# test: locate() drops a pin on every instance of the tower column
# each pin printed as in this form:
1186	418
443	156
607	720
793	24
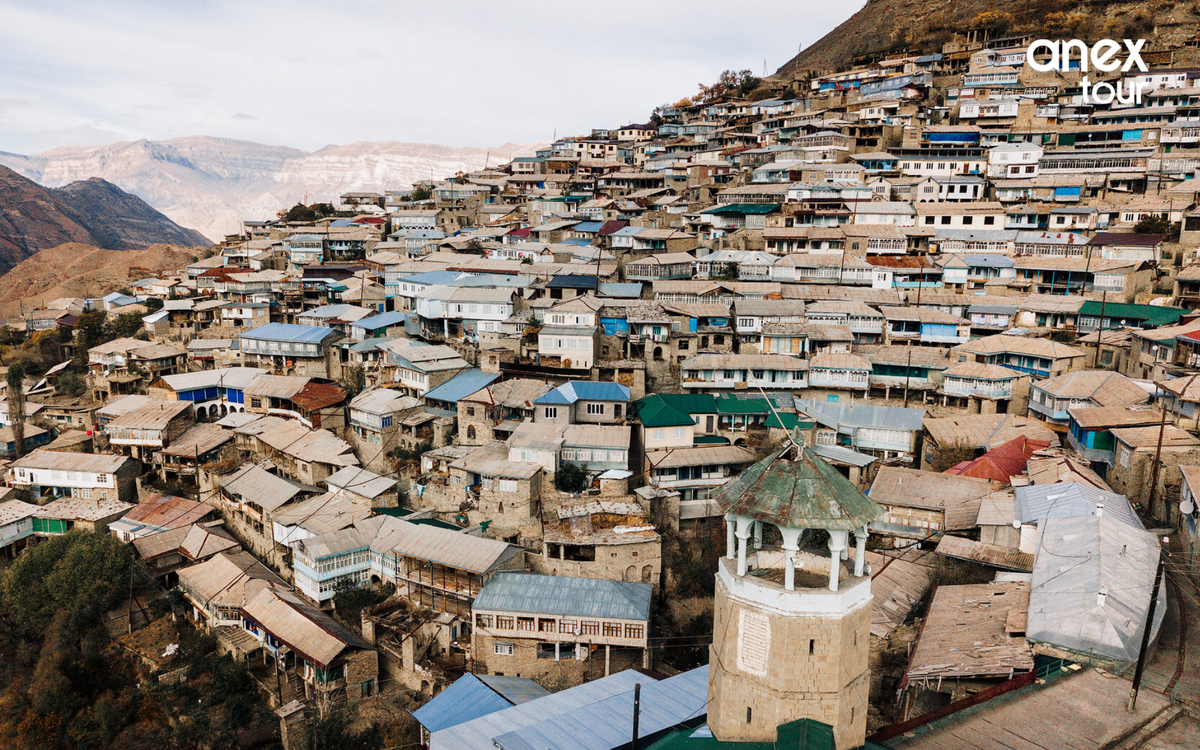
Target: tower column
791	545
758	526
743	536
839	542
730	544
860	550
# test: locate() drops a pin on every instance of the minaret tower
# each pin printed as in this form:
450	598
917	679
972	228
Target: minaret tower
791	626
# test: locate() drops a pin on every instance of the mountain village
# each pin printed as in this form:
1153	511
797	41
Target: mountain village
863	416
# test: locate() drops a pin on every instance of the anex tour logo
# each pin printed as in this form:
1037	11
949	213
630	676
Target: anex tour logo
1103	56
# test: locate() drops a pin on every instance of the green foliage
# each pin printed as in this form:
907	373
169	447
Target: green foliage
298	212
79	573
125	325
90	329
420	193
570	477
354	380
1153	224
401	455
154	304
70	383
334	732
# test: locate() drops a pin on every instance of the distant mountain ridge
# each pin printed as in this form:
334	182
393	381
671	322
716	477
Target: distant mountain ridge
212	184
91	212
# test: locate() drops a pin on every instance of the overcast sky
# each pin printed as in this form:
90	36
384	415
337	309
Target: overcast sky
309	74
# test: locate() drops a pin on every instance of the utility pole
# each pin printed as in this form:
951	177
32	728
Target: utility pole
908	367
129	615
1141	662
1162	426
637	705
1100	327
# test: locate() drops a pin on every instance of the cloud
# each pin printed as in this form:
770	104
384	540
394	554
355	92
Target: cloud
469	73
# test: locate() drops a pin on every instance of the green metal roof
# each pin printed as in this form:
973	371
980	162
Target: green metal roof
794	488
742	209
710	440
788	421
1153	315
735	405
672	409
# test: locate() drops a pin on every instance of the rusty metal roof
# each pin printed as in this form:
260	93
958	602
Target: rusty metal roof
794	488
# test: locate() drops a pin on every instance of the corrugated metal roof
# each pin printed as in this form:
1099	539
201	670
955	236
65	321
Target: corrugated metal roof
466	699
290	332
608	723
531	593
1091	586
254	483
516	690
480	733
994	555
1036	503
844	416
304	628
585	390
461	385
441	546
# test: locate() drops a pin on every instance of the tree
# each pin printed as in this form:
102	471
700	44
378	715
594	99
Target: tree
70	383
946	456
124	326
1153	224
570	477
90	329
15	378
420	193
354	380
299	212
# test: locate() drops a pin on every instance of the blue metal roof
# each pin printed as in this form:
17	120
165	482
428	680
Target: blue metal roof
588	226
586	390
371	345
382	320
584	708
982	260
578	241
532	593
573	281
289	332
461	385
608	723
467	698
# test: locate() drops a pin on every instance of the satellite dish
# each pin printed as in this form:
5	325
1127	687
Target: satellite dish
1187	507
1016	524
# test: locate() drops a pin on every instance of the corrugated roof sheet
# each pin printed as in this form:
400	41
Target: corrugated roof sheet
531	593
585	390
1092	583
1002	462
1036	503
994	555
290	332
441	546
461	385
467	698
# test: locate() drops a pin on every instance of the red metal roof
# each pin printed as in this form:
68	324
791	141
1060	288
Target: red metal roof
1001	463
315	396
168	511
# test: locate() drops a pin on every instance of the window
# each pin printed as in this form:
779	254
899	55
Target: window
504	622
683	345
989	220
551	412
470	411
502	649
589	627
612	630
525	623
483	621
680	433
256	403
968	220
594	409
634	631
659	434
508	485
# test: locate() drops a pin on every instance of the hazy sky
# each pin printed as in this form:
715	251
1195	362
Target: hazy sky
308	74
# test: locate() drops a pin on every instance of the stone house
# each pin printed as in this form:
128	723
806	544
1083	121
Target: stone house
494	411
375	419
584	402
601	538
556	629
1131	472
485	485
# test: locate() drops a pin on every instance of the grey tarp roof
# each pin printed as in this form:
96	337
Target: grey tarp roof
1091	586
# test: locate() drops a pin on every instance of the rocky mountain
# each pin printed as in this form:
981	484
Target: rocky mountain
212	184
923	26
78	270
91	211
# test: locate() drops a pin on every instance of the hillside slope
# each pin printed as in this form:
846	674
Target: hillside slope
212	184
92	212
923	26
78	270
